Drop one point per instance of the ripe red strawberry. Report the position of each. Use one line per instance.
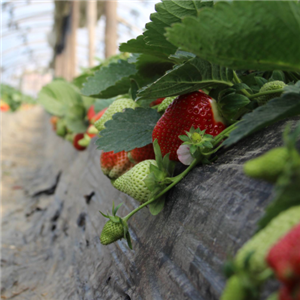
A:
(140, 154)
(194, 109)
(295, 260)
(97, 116)
(77, 138)
(285, 293)
(290, 293)
(282, 257)
(91, 112)
(156, 102)
(114, 165)
(4, 106)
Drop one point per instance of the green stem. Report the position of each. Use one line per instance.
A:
(224, 133)
(265, 93)
(212, 152)
(176, 180)
(236, 78)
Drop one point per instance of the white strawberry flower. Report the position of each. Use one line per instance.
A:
(184, 155)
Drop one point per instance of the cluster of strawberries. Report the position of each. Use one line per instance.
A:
(4, 106)
(284, 259)
(80, 141)
(194, 109)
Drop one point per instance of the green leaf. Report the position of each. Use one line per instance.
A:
(139, 45)
(190, 76)
(58, 97)
(153, 41)
(157, 206)
(168, 165)
(76, 125)
(277, 109)
(231, 104)
(110, 81)
(152, 66)
(128, 130)
(241, 86)
(80, 80)
(251, 35)
(133, 88)
(292, 88)
(260, 81)
(277, 75)
(181, 57)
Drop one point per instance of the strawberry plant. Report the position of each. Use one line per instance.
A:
(190, 91)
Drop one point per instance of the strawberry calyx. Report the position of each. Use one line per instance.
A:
(159, 178)
(85, 141)
(198, 141)
(92, 131)
(108, 237)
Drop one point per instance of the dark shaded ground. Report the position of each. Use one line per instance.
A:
(51, 196)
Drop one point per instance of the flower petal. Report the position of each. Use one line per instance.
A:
(184, 155)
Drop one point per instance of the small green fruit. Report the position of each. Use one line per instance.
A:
(164, 105)
(111, 232)
(234, 289)
(268, 166)
(116, 106)
(132, 182)
(269, 86)
(61, 128)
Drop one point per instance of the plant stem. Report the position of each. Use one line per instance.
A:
(224, 133)
(236, 78)
(176, 180)
(265, 93)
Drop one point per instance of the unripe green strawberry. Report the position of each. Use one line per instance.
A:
(132, 182)
(234, 289)
(116, 106)
(269, 86)
(268, 166)
(111, 232)
(165, 103)
(61, 128)
(260, 244)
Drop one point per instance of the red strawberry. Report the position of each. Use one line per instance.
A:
(156, 102)
(285, 293)
(290, 293)
(114, 165)
(295, 259)
(97, 116)
(282, 258)
(140, 154)
(4, 106)
(91, 112)
(77, 138)
(194, 109)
